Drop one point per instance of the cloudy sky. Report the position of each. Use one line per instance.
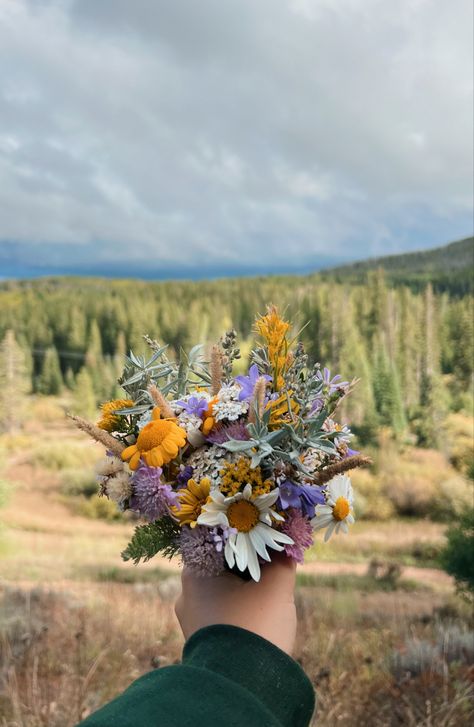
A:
(231, 136)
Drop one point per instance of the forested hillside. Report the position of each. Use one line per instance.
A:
(412, 350)
(447, 268)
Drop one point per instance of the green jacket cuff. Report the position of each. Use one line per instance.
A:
(264, 670)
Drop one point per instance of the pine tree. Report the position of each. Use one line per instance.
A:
(14, 383)
(94, 361)
(387, 394)
(69, 379)
(50, 380)
(77, 331)
(432, 394)
(84, 397)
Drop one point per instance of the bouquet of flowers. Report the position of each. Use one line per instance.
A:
(225, 469)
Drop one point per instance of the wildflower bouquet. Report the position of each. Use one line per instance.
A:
(226, 469)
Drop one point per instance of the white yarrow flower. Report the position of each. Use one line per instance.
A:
(337, 513)
(251, 520)
(228, 407)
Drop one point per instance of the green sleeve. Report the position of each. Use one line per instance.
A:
(228, 677)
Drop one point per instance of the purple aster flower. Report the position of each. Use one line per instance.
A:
(298, 527)
(194, 405)
(351, 452)
(316, 405)
(331, 385)
(222, 433)
(151, 497)
(248, 382)
(184, 475)
(199, 552)
(302, 497)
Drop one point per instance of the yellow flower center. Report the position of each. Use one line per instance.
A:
(243, 515)
(341, 509)
(153, 434)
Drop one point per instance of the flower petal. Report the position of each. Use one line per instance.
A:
(259, 544)
(229, 554)
(252, 560)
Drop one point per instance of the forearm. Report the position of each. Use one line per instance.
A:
(228, 676)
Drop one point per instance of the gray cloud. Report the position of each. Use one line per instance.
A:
(234, 131)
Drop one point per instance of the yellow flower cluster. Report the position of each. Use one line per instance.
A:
(109, 421)
(273, 330)
(280, 413)
(235, 476)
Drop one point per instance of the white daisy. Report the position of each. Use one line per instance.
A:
(337, 513)
(252, 519)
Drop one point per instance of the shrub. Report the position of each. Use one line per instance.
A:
(410, 494)
(457, 558)
(456, 643)
(417, 657)
(98, 508)
(459, 433)
(453, 497)
(370, 503)
(78, 482)
(59, 455)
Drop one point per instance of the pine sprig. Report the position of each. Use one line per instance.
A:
(148, 540)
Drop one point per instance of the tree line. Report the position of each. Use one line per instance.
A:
(412, 350)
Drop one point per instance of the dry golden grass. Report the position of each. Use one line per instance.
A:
(66, 651)
(78, 625)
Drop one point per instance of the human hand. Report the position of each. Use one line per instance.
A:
(267, 608)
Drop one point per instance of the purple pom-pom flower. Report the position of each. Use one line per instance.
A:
(151, 497)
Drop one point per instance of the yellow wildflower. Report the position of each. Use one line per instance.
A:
(273, 330)
(109, 421)
(158, 443)
(191, 499)
(280, 412)
(234, 477)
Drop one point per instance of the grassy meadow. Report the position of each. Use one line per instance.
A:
(382, 633)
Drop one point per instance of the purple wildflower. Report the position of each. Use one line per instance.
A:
(351, 452)
(223, 432)
(301, 497)
(331, 385)
(194, 405)
(289, 495)
(151, 497)
(221, 536)
(184, 475)
(298, 527)
(316, 405)
(247, 383)
(199, 552)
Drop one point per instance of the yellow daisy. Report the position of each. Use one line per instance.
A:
(158, 443)
(109, 421)
(192, 498)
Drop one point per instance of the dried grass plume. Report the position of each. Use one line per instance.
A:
(160, 401)
(338, 468)
(216, 370)
(100, 435)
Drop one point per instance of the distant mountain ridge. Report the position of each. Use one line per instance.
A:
(450, 267)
